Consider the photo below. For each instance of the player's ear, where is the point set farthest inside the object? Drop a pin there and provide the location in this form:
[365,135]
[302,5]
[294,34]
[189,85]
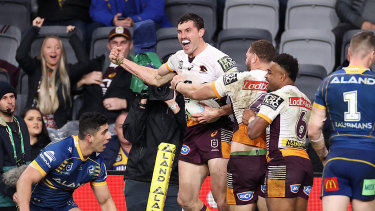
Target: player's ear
[201,32]
[89,138]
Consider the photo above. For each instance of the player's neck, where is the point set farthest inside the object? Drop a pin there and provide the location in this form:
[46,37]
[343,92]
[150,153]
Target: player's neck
[126,147]
[85,148]
[260,66]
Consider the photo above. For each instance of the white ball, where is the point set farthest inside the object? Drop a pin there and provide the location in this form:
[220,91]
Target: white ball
[197,107]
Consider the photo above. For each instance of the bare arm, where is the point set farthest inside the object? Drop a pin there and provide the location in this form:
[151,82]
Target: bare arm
[148,75]
[315,132]
[30,176]
[256,125]
[104,198]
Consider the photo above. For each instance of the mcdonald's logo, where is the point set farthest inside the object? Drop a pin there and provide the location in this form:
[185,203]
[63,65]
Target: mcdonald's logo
[331,184]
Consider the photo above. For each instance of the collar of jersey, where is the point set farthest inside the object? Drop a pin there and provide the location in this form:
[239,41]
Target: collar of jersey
[76,144]
[355,69]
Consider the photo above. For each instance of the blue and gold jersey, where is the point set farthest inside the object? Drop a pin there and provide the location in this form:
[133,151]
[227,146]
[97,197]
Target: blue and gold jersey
[348,97]
[121,160]
[64,170]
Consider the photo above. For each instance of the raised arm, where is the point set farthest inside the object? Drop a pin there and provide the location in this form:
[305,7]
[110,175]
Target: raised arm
[29,177]
[148,75]
[104,198]
[315,132]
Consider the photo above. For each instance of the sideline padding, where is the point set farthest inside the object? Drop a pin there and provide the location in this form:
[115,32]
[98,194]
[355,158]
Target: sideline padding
[160,177]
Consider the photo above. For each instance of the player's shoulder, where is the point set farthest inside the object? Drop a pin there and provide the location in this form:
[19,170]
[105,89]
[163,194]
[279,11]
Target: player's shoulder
[63,147]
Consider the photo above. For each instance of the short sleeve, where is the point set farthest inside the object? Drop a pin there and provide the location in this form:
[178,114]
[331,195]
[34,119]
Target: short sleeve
[101,180]
[271,107]
[49,158]
[172,63]
[320,95]
[224,84]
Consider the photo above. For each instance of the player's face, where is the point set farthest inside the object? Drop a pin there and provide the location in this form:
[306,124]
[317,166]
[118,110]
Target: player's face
[8,104]
[249,57]
[52,51]
[33,119]
[189,36]
[122,44]
[101,138]
[118,129]
[274,77]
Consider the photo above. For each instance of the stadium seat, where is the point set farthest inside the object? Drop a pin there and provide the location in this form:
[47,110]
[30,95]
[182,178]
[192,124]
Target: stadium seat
[307,14]
[10,38]
[262,14]
[4,75]
[22,89]
[99,41]
[310,46]
[61,32]
[15,12]
[236,42]
[167,41]
[309,79]
[204,8]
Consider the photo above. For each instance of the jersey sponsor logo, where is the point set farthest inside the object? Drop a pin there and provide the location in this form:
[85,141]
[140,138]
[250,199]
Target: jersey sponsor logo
[245,196]
[70,149]
[356,125]
[295,188]
[307,190]
[66,183]
[352,80]
[214,143]
[292,143]
[50,155]
[203,68]
[230,78]
[69,167]
[227,63]
[91,170]
[118,158]
[331,184]
[180,64]
[254,85]
[300,102]
[185,150]
[214,133]
[273,101]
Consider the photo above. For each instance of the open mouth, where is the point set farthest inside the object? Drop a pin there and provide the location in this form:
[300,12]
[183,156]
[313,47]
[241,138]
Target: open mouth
[185,42]
[53,56]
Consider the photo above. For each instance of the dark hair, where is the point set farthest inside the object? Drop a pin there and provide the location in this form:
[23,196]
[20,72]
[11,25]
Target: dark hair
[43,136]
[288,63]
[263,49]
[89,123]
[198,20]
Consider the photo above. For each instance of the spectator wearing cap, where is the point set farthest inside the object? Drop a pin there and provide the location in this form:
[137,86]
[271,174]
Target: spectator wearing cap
[106,89]
[15,148]
[126,13]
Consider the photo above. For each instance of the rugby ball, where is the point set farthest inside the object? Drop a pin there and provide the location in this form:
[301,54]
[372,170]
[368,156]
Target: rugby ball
[197,107]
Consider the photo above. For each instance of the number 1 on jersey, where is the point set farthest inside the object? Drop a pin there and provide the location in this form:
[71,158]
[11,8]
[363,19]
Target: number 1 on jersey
[352,115]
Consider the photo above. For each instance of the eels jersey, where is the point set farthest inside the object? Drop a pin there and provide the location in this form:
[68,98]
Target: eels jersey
[246,90]
[64,170]
[121,160]
[206,67]
[347,96]
[287,110]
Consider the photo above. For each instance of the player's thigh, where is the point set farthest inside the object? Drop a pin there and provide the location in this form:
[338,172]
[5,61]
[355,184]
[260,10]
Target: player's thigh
[335,203]
[363,205]
[191,178]
[247,207]
[281,204]
[218,173]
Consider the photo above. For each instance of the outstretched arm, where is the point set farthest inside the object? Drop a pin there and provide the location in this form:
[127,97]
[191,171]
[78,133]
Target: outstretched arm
[104,198]
[29,177]
[315,132]
[148,75]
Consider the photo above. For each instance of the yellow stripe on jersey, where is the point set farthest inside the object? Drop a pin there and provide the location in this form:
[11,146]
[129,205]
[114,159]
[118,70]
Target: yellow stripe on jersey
[49,184]
[76,144]
[98,183]
[37,167]
[353,160]
[265,118]
[170,69]
[214,88]
[319,106]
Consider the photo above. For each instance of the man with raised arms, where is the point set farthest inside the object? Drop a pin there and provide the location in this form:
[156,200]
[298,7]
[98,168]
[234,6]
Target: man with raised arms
[246,90]
[201,153]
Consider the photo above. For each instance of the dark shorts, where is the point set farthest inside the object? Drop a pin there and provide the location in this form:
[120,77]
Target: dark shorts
[350,172]
[203,142]
[289,177]
[245,177]
[69,205]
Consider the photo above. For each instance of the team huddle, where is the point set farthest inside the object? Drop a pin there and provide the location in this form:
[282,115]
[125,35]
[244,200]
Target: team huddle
[257,162]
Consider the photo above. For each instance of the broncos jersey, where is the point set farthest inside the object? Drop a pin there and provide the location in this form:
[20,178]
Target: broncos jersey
[64,170]
[206,67]
[287,110]
[347,96]
[246,90]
